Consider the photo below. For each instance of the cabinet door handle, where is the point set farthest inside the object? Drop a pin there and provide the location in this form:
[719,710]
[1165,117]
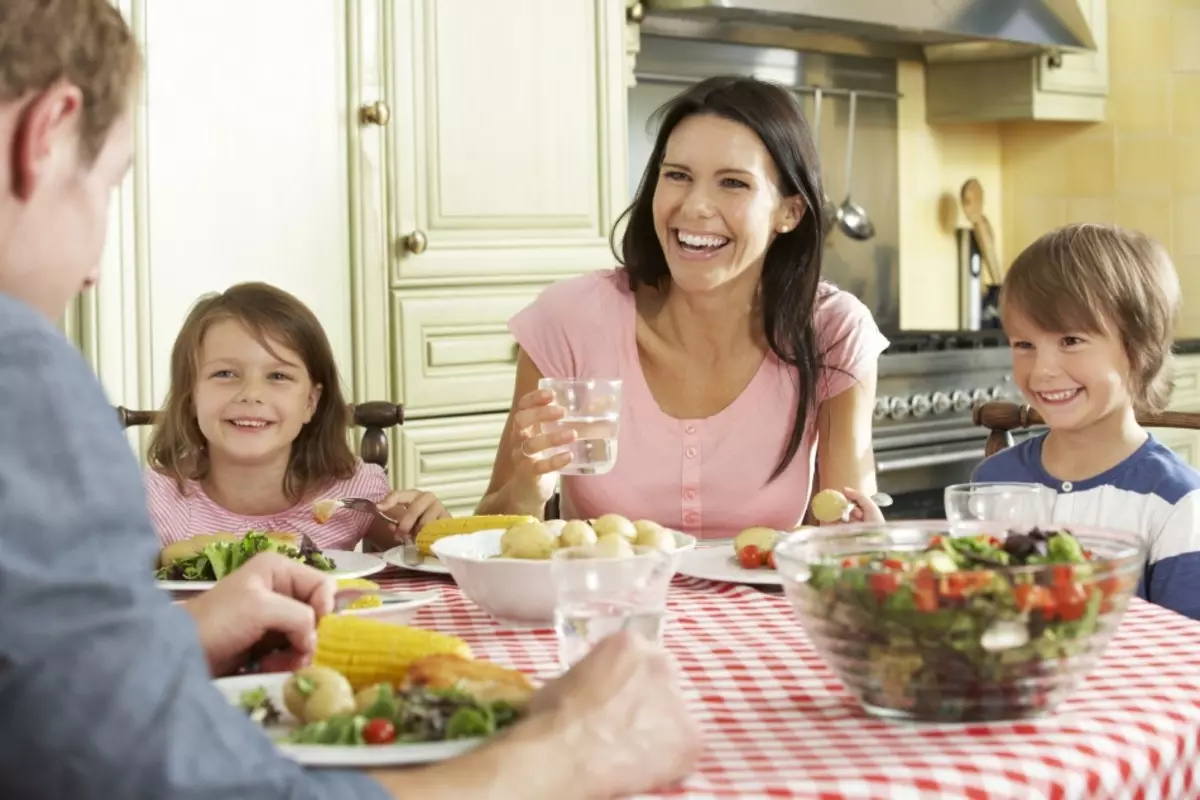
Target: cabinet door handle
[416,243]
[636,13]
[376,113]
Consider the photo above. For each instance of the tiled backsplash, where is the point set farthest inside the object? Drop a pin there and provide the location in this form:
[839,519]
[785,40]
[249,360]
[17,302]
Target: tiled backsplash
[1141,168]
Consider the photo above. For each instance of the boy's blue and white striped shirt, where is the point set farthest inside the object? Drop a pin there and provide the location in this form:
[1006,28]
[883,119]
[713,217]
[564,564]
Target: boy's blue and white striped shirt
[1152,493]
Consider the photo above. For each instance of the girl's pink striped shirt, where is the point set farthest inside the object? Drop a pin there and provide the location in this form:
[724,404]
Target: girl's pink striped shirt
[179,516]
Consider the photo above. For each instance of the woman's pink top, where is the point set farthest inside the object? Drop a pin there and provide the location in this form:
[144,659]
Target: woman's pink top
[707,477]
[180,516]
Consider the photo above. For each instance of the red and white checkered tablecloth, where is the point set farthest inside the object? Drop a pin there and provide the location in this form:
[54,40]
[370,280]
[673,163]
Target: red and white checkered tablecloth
[779,724]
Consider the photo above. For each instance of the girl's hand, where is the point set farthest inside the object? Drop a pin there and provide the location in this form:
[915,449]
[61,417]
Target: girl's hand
[413,510]
[864,508]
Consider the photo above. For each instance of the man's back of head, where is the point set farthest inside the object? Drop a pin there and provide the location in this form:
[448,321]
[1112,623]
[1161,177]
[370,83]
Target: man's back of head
[67,74]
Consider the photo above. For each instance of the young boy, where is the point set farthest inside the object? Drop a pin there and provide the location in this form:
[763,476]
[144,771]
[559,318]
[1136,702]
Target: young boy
[1090,313]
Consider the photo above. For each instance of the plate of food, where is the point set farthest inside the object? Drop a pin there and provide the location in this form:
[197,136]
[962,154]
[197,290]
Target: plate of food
[195,564]
[390,713]
[747,559]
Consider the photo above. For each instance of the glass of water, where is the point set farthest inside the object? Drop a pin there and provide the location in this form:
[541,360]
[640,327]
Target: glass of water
[593,409]
[596,597]
[1026,504]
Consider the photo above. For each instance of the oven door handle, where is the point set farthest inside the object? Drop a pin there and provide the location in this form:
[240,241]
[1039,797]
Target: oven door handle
[930,460]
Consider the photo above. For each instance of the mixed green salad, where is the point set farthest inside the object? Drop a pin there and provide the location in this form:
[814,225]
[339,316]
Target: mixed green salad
[220,557]
[387,716]
[945,631]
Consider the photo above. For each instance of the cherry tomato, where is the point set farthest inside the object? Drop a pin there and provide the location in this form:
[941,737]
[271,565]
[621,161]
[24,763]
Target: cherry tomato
[1064,575]
[883,584]
[925,591]
[1032,597]
[935,543]
[769,560]
[1071,599]
[893,563]
[750,557]
[379,731]
[849,562]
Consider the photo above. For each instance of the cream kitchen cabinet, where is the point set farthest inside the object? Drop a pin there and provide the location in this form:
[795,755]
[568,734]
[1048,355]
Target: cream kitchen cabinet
[490,160]
[451,457]
[1186,397]
[240,173]
[1071,87]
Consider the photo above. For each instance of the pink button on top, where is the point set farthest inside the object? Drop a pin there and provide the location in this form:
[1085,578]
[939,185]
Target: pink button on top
[689,429]
[690,452]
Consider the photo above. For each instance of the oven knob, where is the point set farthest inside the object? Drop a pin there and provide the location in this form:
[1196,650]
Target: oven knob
[960,400]
[881,408]
[898,408]
[921,405]
[941,403]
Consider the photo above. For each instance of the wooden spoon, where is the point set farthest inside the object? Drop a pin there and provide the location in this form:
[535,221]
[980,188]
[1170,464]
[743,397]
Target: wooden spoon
[985,237]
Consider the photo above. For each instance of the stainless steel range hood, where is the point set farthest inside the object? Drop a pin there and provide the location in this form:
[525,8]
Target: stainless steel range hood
[937,30]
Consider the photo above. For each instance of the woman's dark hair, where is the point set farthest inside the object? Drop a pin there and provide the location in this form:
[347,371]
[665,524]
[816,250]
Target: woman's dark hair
[791,271]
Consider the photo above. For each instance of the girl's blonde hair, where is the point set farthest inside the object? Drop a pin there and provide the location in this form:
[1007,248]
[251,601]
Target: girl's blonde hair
[320,454]
[1092,278]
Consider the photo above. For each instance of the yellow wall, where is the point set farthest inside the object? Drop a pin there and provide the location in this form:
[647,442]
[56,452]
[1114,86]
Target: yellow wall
[934,164]
[1141,168]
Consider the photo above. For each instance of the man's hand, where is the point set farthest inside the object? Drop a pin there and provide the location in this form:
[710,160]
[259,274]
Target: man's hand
[623,707]
[269,593]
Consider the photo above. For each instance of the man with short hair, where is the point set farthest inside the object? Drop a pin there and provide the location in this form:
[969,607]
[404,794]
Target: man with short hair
[105,685]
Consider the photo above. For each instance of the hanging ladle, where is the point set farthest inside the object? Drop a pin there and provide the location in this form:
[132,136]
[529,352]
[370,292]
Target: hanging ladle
[828,209]
[852,217]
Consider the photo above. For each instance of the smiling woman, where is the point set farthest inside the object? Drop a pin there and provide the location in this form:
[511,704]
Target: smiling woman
[739,364]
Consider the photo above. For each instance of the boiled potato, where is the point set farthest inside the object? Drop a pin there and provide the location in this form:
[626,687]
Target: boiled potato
[314,694]
[762,538]
[529,540]
[613,545]
[657,537]
[577,533]
[643,525]
[829,505]
[367,697]
[615,523]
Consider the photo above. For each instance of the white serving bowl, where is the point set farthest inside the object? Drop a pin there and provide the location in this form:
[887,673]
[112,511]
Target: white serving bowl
[513,591]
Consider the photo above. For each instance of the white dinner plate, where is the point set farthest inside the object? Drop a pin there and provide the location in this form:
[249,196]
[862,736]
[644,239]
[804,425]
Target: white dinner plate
[718,563]
[398,613]
[349,564]
[431,564]
[328,755]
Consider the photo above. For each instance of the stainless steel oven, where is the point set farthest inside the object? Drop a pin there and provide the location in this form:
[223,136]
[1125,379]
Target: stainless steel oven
[924,436]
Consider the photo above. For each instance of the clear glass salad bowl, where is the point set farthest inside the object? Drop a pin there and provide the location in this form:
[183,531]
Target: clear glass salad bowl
[950,622]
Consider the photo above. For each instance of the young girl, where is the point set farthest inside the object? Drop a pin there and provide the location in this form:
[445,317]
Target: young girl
[254,431]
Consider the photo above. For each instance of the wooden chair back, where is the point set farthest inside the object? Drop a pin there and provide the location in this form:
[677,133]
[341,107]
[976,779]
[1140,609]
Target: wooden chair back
[375,417]
[1002,418]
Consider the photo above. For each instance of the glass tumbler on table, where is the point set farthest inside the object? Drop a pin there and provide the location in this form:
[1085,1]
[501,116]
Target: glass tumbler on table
[593,411]
[597,596]
[1024,504]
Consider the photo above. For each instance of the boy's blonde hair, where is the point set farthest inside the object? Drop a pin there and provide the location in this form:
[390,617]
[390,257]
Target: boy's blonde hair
[320,454]
[83,42]
[1092,278]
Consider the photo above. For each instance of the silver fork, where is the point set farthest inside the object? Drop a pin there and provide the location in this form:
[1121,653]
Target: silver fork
[411,555]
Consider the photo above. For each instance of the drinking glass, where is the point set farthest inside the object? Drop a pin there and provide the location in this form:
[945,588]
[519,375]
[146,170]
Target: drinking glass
[593,409]
[598,596]
[1025,504]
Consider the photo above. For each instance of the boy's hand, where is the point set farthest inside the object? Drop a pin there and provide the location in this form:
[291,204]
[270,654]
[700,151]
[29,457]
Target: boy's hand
[413,510]
[864,509]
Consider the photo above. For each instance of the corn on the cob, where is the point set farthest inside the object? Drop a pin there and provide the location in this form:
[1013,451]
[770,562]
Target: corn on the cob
[368,651]
[367,600]
[441,528]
